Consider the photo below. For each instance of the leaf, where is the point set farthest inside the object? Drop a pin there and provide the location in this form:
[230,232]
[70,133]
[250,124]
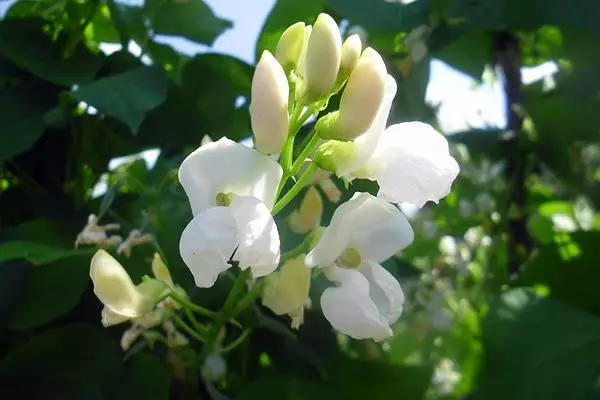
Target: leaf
[36,253]
[569,267]
[144,377]
[13,280]
[129,21]
[127,96]
[383,16]
[77,360]
[191,19]
[538,348]
[283,14]
[26,43]
[51,292]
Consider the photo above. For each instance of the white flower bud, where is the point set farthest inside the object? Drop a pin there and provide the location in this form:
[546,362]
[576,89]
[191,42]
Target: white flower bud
[333,155]
[290,46]
[360,101]
[286,290]
[308,215]
[269,105]
[351,50]
[323,57]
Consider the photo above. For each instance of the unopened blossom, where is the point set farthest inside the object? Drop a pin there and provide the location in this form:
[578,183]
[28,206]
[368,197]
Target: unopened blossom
[363,232]
[362,97]
[135,238]
[411,161]
[290,46]
[97,235]
[269,105]
[287,289]
[351,51]
[231,189]
[322,59]
[308,215]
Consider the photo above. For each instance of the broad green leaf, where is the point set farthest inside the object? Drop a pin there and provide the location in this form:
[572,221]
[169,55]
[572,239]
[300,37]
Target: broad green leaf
[569,267]
[37,253]
[13,280]
[191,19]
[127,96]
[101,27]
[385,16]
[538,348]
[22,117]
[284,14]
[73,360]
[26,43]
[144,377]
[51,292]
[128,20]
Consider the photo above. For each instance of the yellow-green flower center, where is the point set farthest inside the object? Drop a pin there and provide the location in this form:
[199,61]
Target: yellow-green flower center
[350,258]
[224,199]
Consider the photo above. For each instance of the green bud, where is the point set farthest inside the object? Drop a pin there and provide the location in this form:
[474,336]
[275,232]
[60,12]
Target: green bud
[333,155]
[290,45]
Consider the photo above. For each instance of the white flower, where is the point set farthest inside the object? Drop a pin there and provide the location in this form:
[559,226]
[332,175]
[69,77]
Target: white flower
[231,189]
[363,233]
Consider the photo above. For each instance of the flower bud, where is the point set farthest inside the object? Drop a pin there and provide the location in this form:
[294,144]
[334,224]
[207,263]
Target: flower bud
[333,155]
[308,216]
[269,105]
[287,289]
[323,57]
[360,101]
[290,45]
[351,50]
[114,288]
[160,270]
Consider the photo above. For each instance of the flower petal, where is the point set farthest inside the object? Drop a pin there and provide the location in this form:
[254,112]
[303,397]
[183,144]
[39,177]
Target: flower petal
[287,289]
[258,237]
[349,307]
[110,318]
[384,290]
[414,164]
[207,243]
[225,166]
[114,288]
[374,227]
[367,143]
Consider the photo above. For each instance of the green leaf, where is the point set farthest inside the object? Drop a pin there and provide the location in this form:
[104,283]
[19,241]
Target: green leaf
[13,280]
[283,14]
[127,96]
[383,15]
[36,253]
[569,267]
[191,19]
[145,377]
[52,291]
[75,360]
[538,348]
[26,43]
[129,21]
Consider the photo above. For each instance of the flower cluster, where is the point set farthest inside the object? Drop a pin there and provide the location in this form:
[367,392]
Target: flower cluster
[235,192]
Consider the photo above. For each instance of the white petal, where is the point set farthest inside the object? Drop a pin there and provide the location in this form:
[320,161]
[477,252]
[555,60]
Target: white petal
[114,288]
[257,235]
[350,309]
[207,243]
[374,227]
[384,290]
[110,318]
[367,143]
[228,167]
[414,164]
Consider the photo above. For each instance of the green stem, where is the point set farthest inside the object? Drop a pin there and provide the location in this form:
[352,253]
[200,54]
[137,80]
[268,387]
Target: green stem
[240,339]
[311,146]
[300,249]
[182,324]
[194,307]
[294,190]
[195,323]
[249,298]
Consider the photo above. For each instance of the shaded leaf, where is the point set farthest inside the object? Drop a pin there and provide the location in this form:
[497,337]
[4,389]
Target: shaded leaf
[383,15]
[37,253]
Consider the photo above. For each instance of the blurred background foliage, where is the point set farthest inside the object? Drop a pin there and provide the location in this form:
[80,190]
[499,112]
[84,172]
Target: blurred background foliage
[503,299]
